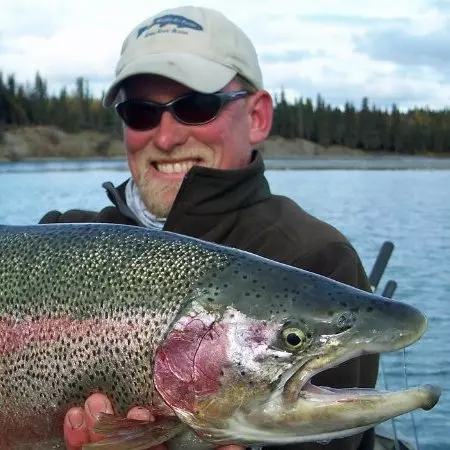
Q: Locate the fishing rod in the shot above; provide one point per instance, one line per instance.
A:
(389, 289)
(375, 276)
(380, 264)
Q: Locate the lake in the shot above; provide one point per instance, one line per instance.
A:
(411, 208)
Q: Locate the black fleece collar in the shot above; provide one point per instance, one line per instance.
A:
(205, 195)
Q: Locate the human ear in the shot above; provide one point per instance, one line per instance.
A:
(260, 109)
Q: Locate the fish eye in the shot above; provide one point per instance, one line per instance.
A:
(294, 338)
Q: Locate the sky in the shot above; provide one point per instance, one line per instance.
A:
(390, 51)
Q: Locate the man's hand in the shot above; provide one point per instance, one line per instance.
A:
(79, 422)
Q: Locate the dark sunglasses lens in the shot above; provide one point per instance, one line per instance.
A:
(139, 115)
(197, 108)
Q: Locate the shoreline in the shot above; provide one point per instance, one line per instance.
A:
(46, 145)
(344, 162)
(385, 162)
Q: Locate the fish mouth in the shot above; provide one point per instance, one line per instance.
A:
(297, 385)
(300, 381)
(299, 411)
(312, 392)
(323, 414)
(299, 388)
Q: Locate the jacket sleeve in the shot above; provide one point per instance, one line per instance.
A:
(72, 216)
(109, 214)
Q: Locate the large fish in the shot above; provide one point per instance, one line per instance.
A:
(220, 343)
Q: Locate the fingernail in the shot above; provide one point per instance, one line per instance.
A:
(76, 419)
(96, 407)
(142, 414)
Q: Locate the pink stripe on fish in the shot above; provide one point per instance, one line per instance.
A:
(15, 335)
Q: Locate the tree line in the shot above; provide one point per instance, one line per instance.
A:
(31, 104)
(367, 127)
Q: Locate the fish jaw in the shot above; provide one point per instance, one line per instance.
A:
(324, 414)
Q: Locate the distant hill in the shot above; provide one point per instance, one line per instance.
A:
(50, 142)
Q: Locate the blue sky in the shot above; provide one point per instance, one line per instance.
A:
(390, 51)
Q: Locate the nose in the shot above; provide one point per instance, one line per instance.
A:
(170, 133)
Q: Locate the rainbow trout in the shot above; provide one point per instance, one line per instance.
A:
(220, 343)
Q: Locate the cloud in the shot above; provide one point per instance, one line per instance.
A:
(7, 49)
(286, 56)
(406, 48)
(22, 18)
(346, 49)
(442, 6)
(353, 20)
(382, 92)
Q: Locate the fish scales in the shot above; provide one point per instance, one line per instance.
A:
(223, 344)
(75, 317)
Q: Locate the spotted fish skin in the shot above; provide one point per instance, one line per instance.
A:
(219, 341)
(83, 307)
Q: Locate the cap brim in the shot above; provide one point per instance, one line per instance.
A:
(195, 72)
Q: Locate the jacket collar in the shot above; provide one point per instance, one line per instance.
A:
(205, 195)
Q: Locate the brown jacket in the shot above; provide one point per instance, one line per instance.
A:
(237, 209)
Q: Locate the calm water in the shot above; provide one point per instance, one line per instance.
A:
(409, 207)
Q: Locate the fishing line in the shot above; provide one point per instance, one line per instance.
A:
(412, 415)
(394, 427)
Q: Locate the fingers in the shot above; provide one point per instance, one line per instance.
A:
(94, 406)
(79, 422)
(75, 429)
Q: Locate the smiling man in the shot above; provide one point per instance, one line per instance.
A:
(169, 129)
(191, 97)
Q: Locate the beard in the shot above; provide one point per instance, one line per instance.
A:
(158, 196)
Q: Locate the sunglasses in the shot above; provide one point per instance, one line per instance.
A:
(191, 109)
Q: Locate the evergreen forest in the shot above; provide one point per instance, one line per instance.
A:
(362, 126)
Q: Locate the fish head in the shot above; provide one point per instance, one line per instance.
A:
(237, 363)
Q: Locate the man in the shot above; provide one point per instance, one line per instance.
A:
(194, 107)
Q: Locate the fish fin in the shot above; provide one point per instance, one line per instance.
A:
(129, 434)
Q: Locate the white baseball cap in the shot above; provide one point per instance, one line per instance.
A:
(197, 47)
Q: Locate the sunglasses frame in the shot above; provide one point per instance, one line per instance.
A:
(224, 97)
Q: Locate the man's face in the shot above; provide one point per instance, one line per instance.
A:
(160, 157)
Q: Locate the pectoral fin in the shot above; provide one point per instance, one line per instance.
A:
(128, 434)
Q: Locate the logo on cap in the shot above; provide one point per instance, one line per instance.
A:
(179, 23)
